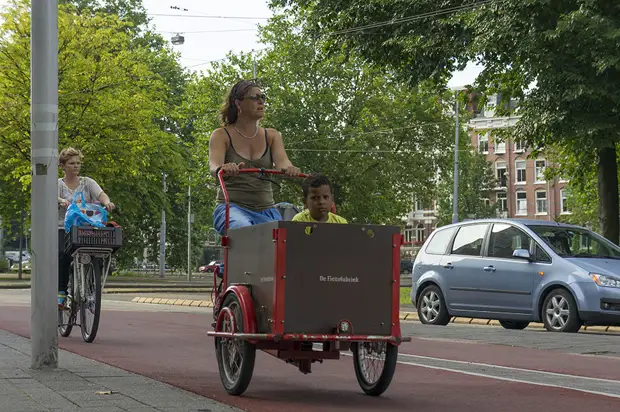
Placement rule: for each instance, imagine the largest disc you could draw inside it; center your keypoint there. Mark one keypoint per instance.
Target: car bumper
(600, 305)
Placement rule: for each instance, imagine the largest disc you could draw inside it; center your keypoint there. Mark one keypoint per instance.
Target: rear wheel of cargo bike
(375, 363)
(235, 357)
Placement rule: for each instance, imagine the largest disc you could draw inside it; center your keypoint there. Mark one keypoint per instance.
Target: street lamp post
(455, 195)
(44, 163)
(189, 230)
(162, 235)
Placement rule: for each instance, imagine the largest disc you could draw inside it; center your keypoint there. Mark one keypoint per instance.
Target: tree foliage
(560, 57)
(476, 180)
(118, 100)
(378, 140)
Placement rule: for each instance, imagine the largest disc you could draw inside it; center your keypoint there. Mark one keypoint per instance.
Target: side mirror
(522, 254)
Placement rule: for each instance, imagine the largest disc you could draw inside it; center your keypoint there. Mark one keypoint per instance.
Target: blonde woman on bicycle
(70, 161)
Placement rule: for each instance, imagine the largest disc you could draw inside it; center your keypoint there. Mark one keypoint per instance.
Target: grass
(405, 298)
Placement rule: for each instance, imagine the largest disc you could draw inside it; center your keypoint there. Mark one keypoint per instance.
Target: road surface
(452, 368)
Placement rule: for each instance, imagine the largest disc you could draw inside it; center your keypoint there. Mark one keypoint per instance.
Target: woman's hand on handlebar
(232, 169)
(291, 171)
(63, 203)
(110, 206)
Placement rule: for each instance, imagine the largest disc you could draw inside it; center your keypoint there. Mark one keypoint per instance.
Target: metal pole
(455, 203)
(21, 240)
(189, 230)
(44, 154)
(1, 240)
(162, 237)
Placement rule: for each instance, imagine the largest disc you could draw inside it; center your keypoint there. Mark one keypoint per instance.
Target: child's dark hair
(315, 180)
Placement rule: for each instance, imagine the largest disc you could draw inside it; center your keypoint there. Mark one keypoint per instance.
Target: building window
(500, 169)
(519, 146)
(521, 203)
(419, 233)
(500, 147)
(502, 204)
(520, 167)
(540, 170)
(564, 202)
(541, 202)
(483, 143)
(408, 234)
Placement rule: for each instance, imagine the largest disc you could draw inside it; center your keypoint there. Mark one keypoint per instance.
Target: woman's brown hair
(228, 111)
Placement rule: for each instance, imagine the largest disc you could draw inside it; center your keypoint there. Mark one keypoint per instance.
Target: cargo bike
(305, 293)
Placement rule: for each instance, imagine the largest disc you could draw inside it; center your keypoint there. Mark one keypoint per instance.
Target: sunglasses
(257, 97)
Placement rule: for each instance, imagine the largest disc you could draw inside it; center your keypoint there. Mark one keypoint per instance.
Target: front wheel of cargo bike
(374, 363)
(235, 357)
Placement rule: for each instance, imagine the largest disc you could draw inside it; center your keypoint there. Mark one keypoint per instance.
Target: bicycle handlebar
(220, 177)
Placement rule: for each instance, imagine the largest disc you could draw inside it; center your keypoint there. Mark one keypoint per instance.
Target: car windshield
(575, 242)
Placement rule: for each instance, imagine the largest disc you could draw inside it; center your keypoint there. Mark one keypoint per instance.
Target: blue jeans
(241, 217)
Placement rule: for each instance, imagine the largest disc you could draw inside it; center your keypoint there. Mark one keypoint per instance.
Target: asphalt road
(452, 368)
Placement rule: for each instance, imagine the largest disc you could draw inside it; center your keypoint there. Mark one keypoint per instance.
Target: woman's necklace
(247, 137)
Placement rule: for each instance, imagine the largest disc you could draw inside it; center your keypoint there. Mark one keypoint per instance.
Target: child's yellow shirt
(305, 217)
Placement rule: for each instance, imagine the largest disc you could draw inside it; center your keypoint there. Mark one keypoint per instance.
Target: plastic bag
(85, 214)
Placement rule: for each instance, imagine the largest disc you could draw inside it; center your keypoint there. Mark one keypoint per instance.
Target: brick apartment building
(522, 191)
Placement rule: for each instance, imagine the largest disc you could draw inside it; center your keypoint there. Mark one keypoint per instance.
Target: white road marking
(488, 365)
(516, 370)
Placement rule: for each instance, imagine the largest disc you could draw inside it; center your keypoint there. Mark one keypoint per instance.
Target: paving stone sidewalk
(81, 384)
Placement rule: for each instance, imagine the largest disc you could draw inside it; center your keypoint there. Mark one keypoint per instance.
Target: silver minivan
(518, 271)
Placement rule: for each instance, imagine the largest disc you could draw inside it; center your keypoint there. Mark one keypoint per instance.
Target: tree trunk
(608, 207)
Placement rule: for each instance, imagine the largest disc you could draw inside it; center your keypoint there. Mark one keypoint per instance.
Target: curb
(412, 316)
(174, 302)
(408, 316)
(156, 290)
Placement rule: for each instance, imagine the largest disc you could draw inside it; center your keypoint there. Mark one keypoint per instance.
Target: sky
(208, 39)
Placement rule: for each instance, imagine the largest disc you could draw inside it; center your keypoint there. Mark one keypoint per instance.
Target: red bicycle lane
(173, 348)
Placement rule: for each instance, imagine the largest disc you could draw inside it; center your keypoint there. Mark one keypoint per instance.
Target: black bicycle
(92, 249)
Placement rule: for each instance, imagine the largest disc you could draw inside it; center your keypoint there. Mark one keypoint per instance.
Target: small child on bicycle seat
(317, 192)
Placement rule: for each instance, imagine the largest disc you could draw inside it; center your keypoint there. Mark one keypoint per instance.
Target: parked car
(518, 271)
(211, 266)
(406, 266)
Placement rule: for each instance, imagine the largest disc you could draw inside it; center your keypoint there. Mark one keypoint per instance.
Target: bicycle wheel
(66, 319)
(67, 316)
(90, 303)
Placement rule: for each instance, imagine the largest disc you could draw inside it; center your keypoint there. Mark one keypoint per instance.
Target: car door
(507, 282)
(462, 267)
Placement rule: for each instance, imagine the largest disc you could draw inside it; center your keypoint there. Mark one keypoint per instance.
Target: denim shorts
(241, 217)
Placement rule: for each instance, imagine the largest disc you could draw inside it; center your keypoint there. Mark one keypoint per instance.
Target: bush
(4, 265)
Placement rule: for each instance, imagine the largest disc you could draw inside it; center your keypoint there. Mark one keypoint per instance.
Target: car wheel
(513, 324)
(431, 307)
(559, 312)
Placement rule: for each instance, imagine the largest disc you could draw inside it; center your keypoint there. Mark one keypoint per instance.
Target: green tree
(378, 140)
(569, 48)
(476, 180)
(111, 106)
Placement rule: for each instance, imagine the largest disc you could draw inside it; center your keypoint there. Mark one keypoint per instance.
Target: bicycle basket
(92, 236)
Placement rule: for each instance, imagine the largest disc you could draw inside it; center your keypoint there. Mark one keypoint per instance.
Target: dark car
(406, 266)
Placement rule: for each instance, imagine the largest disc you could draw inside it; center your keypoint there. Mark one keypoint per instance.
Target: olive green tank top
(247, 190)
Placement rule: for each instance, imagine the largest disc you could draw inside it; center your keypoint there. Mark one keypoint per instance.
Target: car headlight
(604, 280)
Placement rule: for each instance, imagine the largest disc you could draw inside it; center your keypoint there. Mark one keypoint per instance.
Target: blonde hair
(67, 154)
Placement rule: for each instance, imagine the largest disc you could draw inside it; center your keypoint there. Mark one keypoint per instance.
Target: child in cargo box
(317, 192)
